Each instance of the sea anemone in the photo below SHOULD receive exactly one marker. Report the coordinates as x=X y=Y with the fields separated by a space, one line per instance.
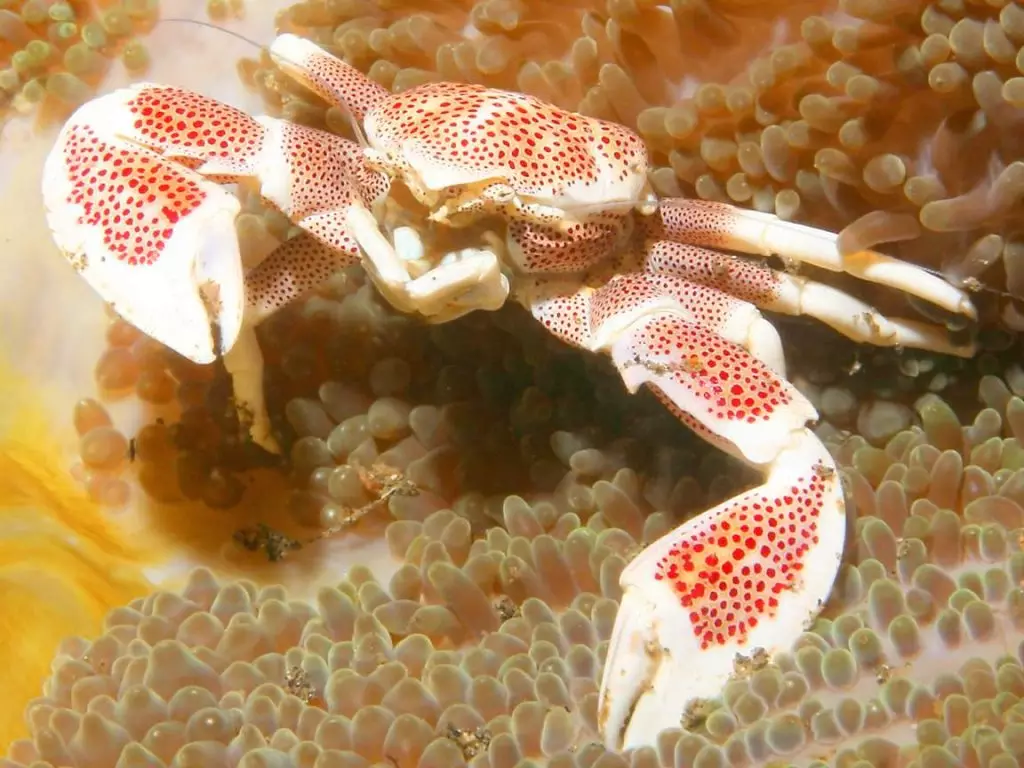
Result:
x=499 y=482
x=487 y=649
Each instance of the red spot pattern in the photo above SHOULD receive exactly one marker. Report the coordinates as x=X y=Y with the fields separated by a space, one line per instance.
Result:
x=328 y=175
x=340 y=83
x=730 y=571
x=575 y=249
x=294 y=268
x=133 y=196
x=707 y=306
x=535 y=146
x=728 y=383
x=697 y=222
x=725 y=379
x=565 y=313
x=742 y=278
x=165 y=117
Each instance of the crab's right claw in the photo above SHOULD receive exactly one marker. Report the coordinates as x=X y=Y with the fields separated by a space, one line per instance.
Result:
x=741 y=581
x=155 y=239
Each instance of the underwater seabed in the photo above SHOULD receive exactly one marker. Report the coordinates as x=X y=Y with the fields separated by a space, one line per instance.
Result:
x=457 y=623
x=64 y=560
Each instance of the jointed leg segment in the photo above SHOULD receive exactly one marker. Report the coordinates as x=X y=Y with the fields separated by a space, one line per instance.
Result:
x=796 y=295
x=747 y=574
x=718 y=225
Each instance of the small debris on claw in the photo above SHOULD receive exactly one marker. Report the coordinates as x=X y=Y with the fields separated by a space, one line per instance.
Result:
x=472 y=743
x=264 y=538
x=744 y=666
x=297 y=683
x=696 y=713
x=692 y=364
x=884 y=674
x=871 y=321
x=721 y=270
x=824 y=472
x=506 y=608
x=790 y=265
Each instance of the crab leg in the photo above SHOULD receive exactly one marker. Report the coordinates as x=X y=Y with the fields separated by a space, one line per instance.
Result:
x=329 y=77
x=749 y=573
x=789 y=294
x=718 y=225
x=290 y=271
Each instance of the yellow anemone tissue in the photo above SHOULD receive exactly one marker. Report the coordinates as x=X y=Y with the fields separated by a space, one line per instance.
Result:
x=63 y=564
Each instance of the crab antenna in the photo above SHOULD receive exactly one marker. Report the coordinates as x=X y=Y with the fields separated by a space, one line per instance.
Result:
x=357 y=129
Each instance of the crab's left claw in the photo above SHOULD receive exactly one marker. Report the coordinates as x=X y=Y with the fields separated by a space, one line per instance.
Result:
x=154 y=238
x=743 y=578
x=749 y=574
x=752 y=572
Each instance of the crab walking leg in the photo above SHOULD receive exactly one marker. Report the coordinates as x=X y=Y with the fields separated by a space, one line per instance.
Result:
x=244 y=364
x=748 y=574
x=794 y=295
x=718 y=225
x=327 y=76
x=155 y=239
x=536 y=248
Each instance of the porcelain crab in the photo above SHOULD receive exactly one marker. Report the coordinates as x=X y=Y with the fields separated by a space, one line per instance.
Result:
x=570 y=228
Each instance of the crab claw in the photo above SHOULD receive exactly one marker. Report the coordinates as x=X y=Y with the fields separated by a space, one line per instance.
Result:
x=748 y=575
x=155 y=239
